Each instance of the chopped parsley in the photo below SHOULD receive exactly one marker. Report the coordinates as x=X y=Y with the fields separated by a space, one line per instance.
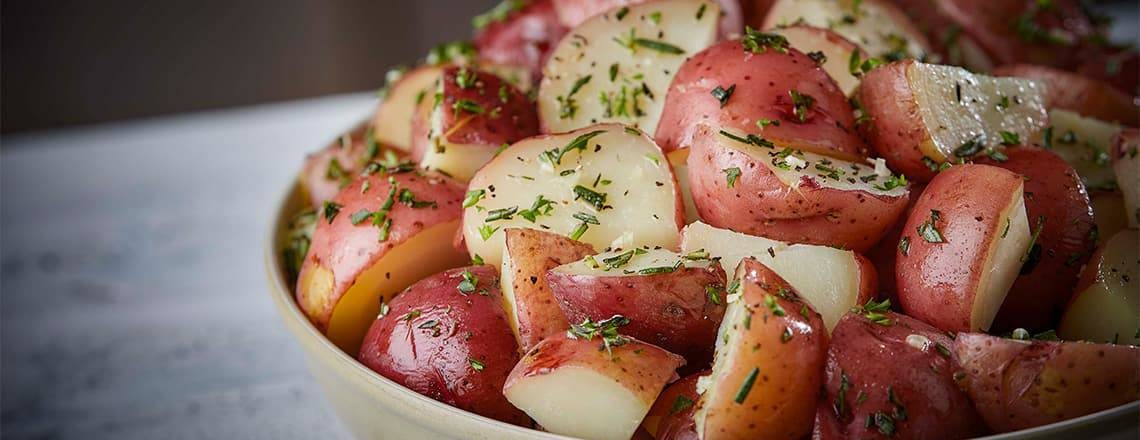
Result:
x=659 y=46
x=330 y=209
x=722 y=94
x=731 y=174
x=469 y=283
x=746 y=386
x=759 y=42
x=928 y=230
x=801 y=104
x=606 y=329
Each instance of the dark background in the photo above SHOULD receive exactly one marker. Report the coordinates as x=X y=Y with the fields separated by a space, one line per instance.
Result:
x=68 y=62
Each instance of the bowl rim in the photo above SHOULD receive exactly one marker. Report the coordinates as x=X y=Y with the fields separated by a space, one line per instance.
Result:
x=283 y=297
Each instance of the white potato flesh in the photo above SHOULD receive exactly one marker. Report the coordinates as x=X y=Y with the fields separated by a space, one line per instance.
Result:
x=618 y=69
x=557 y=401
x=678 y=159
x=392 y=124
x=828 y=278
x=634 y=262
x=638 y=195
x=867 y=23
x=507 y=287
x=456 y=160
x=1109 y=310
x=1005 y=258
x=1127 y=168
x=724 y=361
x=957 y=107
x=837 y=53
x=793 y=168
x=1083 y=143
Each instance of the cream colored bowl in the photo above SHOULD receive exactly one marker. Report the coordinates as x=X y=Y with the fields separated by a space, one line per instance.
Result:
x=373 y=407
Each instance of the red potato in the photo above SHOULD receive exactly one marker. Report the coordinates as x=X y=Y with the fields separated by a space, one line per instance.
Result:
x=963 y=244
x=671 y=417
x=1106 y=306
x=1119 y=67
x=474 y=114
x=606 y=185
x=768 y=370
x=748 y=185
x=836 y=50
x=447 y=338
x=674 y=301
x=326 y=171
x=877 y=26
x=1084 y=143
x=832 y=280
x=892 y=376
x=779 y=88
x=1086 y=96
x=882 y=255
x=922 y=115
x=616 y=67
x=1126 y=164
x=532 y=308
x=518 y=33
x=392 y=123
x=1022 y=384
x=1055 y=202
x=351 y=268
x=573 y=12
x=591 y=382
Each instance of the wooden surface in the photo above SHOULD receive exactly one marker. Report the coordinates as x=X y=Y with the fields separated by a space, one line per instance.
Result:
x=133 y=300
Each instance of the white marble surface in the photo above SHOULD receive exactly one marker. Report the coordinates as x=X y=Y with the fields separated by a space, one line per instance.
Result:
x=133 y=301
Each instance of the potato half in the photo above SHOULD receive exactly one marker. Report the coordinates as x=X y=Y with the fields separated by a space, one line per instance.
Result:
x=1084 y=143
x=531 y=307
x=605 y=185
x=1106 y=307
x=832 y=280
x=616 y=67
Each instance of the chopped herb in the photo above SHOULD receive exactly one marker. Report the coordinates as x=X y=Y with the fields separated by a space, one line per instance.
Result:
x=409 y=199
x=997 y=155
x=892 y=182
x=607 y=329
x=486 y=231
x=773 y=306
x=970 y=147
x=586 y=218
x=731 y=174
x=613 y=71
x=501 y=214
x=660 y=269
x=578 y=85
x=655 y=17
x=477 y=260
x=681 y=403
x=928 y=230
x=786 y=335
x=621 y=13
x=713 y=293
x=476 y=364
x=336 y=172
x=473 y=197
x=594 y=198
x=750 y=139
x=762 y=122
x=659 y=46
x=554 y=156
x=818 y=57
x=541 y=206
x=701 y=11
x=468 y=106
x=746 y=386
x=1009 y=138
x=840 y=403
x=882 y=421
x=759 y=42
x=1032 y=254
x=360 y=216
x=469 y=283
x=801 y=104
x=875 y=311
x=464 y=78
x=904 y=245
x=722 y=94
x=578 y=231
x=330 y=209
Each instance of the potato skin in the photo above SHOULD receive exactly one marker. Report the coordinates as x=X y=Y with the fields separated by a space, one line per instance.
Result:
x=895 y=129
x=876 y=361
x=1053 y=191
x=760 y=204
x=525 y=38
x=937 y=282
x=670 y=310
x=348 y=249
x=882 y=255
x=1020 y=384
x=1126 y=165
x=781 y=402
x=763 y=83
x=1086 y=96
x=432 y=332
x=533 y=252
x=671 y=417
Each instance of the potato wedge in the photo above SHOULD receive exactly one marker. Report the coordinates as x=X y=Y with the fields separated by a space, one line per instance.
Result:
x=1079 y=94
x=834 y=48
x=963 y=244
x=616 y=67
x=326 y=171
x=1021 y=384
x=877 y=26
x=923 y=115
x=605 y=185
x=742 y=182
x=591 y=382
x=473 y=113
x=520 y=34
x=768 y=370
x=1126 y=164
x=674 y=301
x=1055 y=198
x=1084 y=144
x=363 y=254
x=1106 y=307
x=832 y=280
x=532 y=309
x=671 y=416
x=892 y=376
x=392 y=123
x=760 y=84
x=447 y=338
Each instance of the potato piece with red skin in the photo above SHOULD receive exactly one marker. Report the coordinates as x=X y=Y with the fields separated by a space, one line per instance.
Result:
x=349 y=270
x=790 y=195
x=531 y=307
x=769 y=363
x=575 y=384
x=1125 y=156
x=1022 y=384
x=797 y=103
x=573 y=12
x=882 y=255
x=897 y=372
x=475 y=114
x=392 y=122
x=919 y=116
x=448 y=341
x=524 y=38
x=672 y=300
x=965 y=241
x=1086 y=96
x=1106 y=305
x=1054 y=193
x=836 y=50
x=326 y=171
x=671 y=417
